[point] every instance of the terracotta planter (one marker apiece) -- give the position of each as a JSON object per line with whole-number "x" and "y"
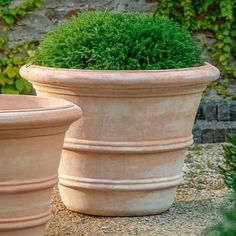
{"x": 125, "y": 155}
{"x": 32, "y": 131}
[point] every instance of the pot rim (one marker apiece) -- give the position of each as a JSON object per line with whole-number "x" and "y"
{"x": 55, "y": 103}
{"x": 205, "y": 64}
{"x": 119, "y": 79}
{"x": 57, "y": 112}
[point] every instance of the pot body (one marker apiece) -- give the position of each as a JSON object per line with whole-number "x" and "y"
{"x": 32, "y": 131}
{"x": 125, "y": 155}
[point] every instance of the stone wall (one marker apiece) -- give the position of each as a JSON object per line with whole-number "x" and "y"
{"x": 52, "y": 12}
{"x": 215, "y": 117}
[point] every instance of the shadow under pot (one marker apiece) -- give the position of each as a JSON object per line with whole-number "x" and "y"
{"x": 32, "y": 131}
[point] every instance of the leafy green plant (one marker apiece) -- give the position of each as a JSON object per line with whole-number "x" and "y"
{"x": 10, "y": 15}
{"x": 118, "y": 41}
{"x": 216, "y": 18}
{"x": 228, "y": 169}
{"x": 3, "y": 3}
{"x": 12, "y": 57}
{"x": 227, "y": 227}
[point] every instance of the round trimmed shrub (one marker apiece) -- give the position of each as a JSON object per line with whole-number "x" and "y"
{"x": 118, "y": 41}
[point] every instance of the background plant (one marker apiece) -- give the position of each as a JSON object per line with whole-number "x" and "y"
{"x": 217, "y": 19}
{"x": 118, "y": 41}
{"x": 227, "y": 227}
{"x": 228, "y": 169}
{"x": 12, "y": 57}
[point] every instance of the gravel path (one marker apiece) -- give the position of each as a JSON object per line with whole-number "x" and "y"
{"x": 196, "y": 206}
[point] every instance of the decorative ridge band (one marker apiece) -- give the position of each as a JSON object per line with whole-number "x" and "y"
{"x": 124, "y": 185}
{"x": 24, "y": 222}
{"x": 121, "y": 92}
{"x": 25, "y": 186}
{"x": 78, "y": 145}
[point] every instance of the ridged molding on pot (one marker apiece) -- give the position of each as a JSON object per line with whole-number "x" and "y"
{"x": 32, "y": 131}
{"x": 125, "y": 155}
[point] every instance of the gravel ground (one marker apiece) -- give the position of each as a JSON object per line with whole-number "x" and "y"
{"x": 196, "y": 206}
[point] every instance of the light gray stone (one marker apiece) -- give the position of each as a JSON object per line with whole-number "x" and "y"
{"x": 209, "y": 110}
{"x": 52, "y": 12}
{"x": 223, "y": 113}
{"x": 197, "y": 133}
{"x": 233, "y": 110}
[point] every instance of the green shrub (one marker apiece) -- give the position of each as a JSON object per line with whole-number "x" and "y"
{"x": 227, "y": 226}
{"x": 228, "y": 169}
{"x": 216, "y": 18}
{"x": 118, "y": 41}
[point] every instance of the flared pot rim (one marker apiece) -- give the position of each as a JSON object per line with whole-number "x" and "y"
{"x": 26, "y": 111}
{"x": 119, "y": 78}
{"x": 38, "y": 103}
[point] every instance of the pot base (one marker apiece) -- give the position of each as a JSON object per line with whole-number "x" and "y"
{"x": 117, "y": 203}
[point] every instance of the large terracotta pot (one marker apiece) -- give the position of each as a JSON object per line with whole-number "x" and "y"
{"x": 125, "y": 155}
{"x": 32, "y": 131}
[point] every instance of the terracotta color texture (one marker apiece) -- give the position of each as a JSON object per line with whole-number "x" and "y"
{"x": 125, "y": 155}
{"x": 32, "y": 131}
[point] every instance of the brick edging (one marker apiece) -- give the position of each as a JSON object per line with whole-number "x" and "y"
{"x": 214, "y": 119}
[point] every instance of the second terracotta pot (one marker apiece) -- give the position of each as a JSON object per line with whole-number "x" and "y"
{"x": 125, "y": 156}
{"x": 32, "y": 131}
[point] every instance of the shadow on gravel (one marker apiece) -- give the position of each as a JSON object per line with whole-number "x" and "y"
{"x": 183, "y": 218}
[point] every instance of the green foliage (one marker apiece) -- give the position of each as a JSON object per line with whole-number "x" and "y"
{"x": 11, "y": 58}
{"x": 10, "y": 15}
{"x": 118, "y": 41}
{"x": 196, "y": 149}
{"x": 3, "y": 3}
{"x": 228, "y": 169}
{"x": 227, "y": 227}
{"x": 215, "y": 17}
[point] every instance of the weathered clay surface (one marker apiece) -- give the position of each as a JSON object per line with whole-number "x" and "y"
{"x": 196, "y": 207}
{"x": 32, "y": 131}
{"x": 125, "y": 155}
